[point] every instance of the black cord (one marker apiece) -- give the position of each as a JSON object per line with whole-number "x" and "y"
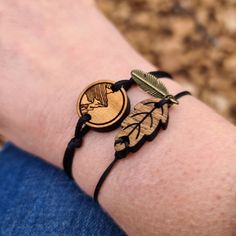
{"x": 80, "y": 130}
{"x": 102, "y": 179}
{"x": 117, "y": 157}
{"x": 167, "y": 100}
{"x": 126, "y": 84}
{"x": 161, "y": 74}
{"x": 181, "y": 94}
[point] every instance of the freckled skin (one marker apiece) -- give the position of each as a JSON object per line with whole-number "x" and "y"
{"x": 181, "y": 183}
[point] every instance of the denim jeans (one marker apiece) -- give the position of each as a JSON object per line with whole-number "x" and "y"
{"x": 39, "y": 199}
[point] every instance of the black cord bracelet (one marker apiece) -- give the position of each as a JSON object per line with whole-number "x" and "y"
{"x": 87, "y": 108}
{"x": 103, "y": 105}
{"x": 125, "y": 140}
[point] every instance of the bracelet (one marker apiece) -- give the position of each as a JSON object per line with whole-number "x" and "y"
{"x": 144, "y": 122}
{"x": 102, "y": 106}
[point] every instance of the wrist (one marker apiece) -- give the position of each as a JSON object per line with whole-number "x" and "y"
{"x": 97, "y": 150}
{"x": 171, "y": 173}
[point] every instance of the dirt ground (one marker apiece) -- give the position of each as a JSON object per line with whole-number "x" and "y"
{"x": 194, "y": 40}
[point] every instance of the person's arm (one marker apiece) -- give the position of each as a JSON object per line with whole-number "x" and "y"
{"x": 181, "y": 183}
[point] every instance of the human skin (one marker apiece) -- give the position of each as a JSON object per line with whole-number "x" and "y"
{"x": 182, "y": 183}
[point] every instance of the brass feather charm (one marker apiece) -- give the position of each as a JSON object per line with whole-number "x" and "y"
{"x": 151, "y": 85}
{"x": 142, "y": 124}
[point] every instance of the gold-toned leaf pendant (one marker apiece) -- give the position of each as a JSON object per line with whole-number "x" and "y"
{"x": 150, "y": 84}
{"x": 142, "y": 124}
{"x": 107, "y": 108}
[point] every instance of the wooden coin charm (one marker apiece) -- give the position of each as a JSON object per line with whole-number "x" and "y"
{"x": 106, "y": 108}
{"x": 142, "y": 124}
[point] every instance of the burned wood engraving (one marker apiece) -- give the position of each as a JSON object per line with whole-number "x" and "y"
{"x": 141, "y": 125}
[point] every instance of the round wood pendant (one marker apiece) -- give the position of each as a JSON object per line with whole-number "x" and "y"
{"x": 107, "y": 108}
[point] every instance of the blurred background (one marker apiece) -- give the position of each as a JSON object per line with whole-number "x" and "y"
{"x": 194, "y": 40}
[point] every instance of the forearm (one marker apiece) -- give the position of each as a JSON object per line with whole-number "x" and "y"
{"x": 181, "y": 183}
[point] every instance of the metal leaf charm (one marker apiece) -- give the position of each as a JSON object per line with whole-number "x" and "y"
{"x": 151, "y": 85}
{"x": 142, "y": 124}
